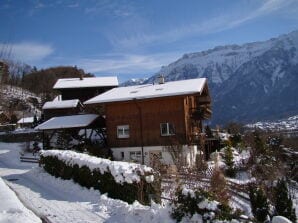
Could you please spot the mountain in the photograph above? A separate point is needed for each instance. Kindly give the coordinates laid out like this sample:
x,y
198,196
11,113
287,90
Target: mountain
x,y
249,82
17,102
134,81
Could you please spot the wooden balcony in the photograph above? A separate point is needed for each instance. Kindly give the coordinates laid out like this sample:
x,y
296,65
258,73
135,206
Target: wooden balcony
x,y
201,113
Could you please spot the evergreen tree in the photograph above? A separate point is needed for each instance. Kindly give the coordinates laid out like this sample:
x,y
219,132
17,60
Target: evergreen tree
x,y
259,203
229,161
235,139
283,202
259,144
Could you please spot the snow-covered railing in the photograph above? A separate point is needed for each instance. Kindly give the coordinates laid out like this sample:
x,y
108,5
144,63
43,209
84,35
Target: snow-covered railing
x,y
122,180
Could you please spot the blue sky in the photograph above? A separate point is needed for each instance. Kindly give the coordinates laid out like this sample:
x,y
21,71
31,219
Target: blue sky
x,y
134,38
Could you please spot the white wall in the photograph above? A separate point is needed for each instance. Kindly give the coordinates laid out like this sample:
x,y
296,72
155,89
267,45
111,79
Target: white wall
x,y
189,154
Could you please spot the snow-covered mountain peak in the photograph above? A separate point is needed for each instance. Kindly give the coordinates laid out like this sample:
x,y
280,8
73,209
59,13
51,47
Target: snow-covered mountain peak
x,y
259,75
219,63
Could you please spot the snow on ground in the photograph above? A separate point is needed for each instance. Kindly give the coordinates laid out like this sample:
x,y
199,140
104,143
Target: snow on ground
x,y
64,201
58,200
11,209
290,123
13,92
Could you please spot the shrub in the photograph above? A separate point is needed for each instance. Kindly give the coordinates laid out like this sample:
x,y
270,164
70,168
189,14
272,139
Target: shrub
x,y
218,186
124,181
283,201
229,161
236,139
259,203
189,203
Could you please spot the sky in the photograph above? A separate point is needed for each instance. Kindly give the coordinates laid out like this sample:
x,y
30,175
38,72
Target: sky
x,y
133,38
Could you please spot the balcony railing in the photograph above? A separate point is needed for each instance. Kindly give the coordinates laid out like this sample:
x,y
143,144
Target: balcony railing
x,y
200,113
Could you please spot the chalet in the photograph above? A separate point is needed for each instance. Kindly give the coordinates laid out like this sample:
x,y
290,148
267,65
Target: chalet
x,y
148,121
58,108
26,122
84,88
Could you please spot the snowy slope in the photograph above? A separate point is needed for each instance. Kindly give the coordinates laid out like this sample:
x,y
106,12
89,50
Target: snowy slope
x,y
249,82
60,201
219,63
134,81
23,102
11,209
288,124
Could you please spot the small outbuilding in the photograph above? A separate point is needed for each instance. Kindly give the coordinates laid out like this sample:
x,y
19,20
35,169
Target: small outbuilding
x,y
26,122
84,88
58,108
71,130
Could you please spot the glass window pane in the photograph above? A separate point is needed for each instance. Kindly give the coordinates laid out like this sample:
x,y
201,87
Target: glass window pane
x,y
123,131
171,129
163,128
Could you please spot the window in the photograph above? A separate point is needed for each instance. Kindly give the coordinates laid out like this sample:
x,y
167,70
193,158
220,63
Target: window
x,y
123,131
167,129
135,155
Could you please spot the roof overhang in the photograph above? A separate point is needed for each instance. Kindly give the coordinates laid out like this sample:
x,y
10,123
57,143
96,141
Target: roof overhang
x,y
68,122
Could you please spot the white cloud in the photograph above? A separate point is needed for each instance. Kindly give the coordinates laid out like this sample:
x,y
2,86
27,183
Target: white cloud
x,y
122,8
127,64
74,5
28,52
214,24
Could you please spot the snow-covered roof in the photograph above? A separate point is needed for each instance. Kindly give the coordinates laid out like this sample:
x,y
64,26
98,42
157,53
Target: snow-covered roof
x,y
61,104
26,120
64,122
173,88
86,82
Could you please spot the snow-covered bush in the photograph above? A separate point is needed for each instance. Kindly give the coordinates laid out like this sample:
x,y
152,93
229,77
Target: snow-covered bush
x,y
200,203
121,180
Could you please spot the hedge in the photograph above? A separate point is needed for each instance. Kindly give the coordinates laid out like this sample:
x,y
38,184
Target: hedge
x,y
120,180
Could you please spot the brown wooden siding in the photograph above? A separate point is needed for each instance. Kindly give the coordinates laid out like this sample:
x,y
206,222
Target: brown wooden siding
x,y
192,126
50,113
153,112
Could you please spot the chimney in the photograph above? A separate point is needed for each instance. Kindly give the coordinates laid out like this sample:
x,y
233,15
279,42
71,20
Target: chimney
x,y
161,79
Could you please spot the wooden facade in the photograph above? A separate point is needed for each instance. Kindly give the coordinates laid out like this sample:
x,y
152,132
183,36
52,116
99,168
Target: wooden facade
x,y
145,116
50,113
